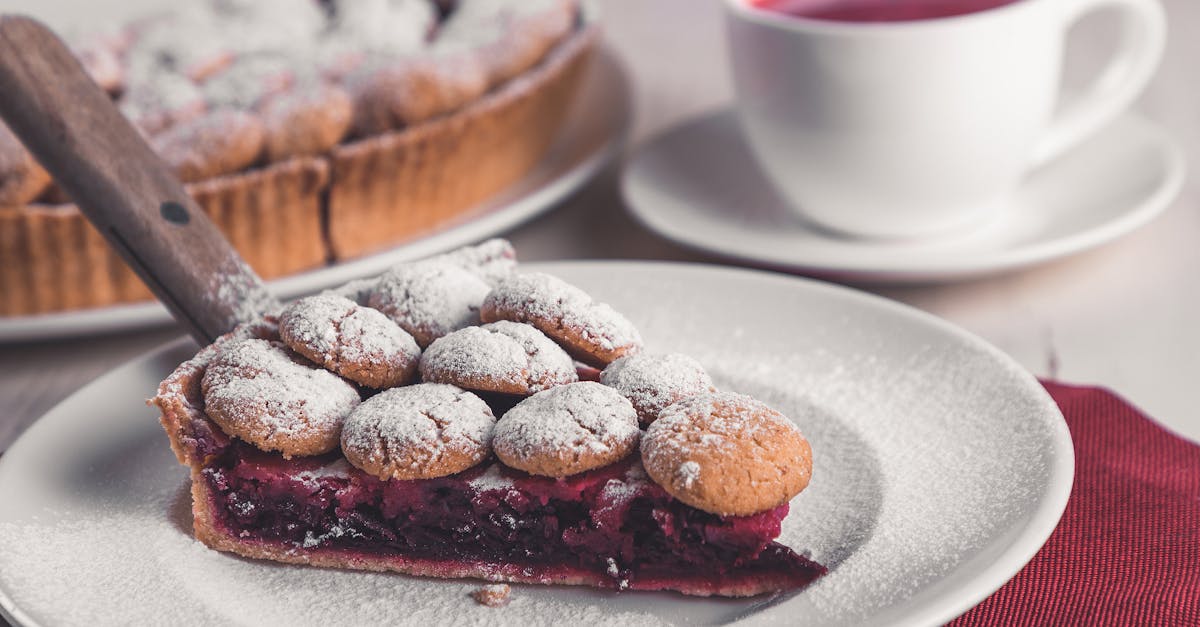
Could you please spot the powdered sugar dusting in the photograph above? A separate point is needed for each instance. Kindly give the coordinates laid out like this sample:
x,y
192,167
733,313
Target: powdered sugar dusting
x,y
414,431
358,290
474,353
159,98
313,320
237,287
548,364
509,352
540,296
491,479
493,595
619,491
493,260
654,381
259,386
731,421
338,469
882,511
370,337
383,27
256,26
187,41
484,20
567,424
689,473
352,340
430,299
249,80
237,52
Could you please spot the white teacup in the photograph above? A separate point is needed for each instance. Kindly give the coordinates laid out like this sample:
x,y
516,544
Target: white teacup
x,y
911,128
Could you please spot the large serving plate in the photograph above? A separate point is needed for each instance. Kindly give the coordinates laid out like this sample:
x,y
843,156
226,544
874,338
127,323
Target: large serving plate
x,y
940,468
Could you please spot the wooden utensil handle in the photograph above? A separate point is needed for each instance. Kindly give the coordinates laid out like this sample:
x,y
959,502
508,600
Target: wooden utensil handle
x,y
129,194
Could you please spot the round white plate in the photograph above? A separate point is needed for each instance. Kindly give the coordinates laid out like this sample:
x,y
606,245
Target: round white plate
x,y
594,133
698,185
940,469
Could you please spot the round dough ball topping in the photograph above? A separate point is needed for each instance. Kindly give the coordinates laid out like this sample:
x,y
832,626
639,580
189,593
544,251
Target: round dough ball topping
x,y
654,381
356,342
429,298
418,432
727,454
567,430
506,357
257,391
591,332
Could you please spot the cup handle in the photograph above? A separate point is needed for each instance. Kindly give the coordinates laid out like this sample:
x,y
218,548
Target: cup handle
x,y
1142,39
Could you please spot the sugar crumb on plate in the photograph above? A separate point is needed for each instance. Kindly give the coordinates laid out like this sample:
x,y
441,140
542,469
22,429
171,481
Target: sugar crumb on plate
x,y
493,595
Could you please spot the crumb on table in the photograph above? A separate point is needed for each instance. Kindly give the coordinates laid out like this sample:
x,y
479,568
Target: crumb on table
x,y
493,595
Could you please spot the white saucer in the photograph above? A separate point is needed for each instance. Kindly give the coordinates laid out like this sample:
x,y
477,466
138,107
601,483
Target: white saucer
x,y
698,185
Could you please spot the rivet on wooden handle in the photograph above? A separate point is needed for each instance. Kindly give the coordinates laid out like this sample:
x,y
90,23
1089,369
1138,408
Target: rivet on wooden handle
x,y
129,194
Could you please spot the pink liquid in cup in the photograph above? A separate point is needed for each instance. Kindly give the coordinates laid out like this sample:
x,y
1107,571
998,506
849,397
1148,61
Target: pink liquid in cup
x,y
878,10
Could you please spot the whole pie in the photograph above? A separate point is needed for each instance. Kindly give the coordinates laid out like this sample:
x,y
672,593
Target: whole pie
x,y
311,439
310,131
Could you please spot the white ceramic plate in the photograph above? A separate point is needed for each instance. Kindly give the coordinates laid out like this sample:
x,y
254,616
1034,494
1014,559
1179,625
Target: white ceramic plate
x,y
940,468
595,132
698,185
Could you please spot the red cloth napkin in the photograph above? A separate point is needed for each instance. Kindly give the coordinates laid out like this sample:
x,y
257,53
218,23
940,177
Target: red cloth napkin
x,y
1127,550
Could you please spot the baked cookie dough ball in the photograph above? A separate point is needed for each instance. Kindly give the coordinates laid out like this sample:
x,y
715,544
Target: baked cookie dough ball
x,y
161,100
249,81
418,432
186,41
505,357
255,390
219,142
493,260
391,93
654,381
594,333
356,342
383,28
567,430
429,299
511,36
307,119
727,454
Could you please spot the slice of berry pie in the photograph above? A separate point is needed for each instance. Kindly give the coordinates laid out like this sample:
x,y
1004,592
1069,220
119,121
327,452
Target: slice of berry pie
x,y
324,436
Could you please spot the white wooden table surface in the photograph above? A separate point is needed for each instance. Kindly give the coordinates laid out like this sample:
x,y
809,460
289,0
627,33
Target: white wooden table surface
x,y
1123,316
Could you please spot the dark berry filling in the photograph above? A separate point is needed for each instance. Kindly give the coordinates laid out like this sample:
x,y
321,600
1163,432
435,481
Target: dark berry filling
x,y
611,524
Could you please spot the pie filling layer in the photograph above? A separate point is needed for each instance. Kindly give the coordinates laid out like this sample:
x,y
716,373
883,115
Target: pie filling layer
x,y
611,526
